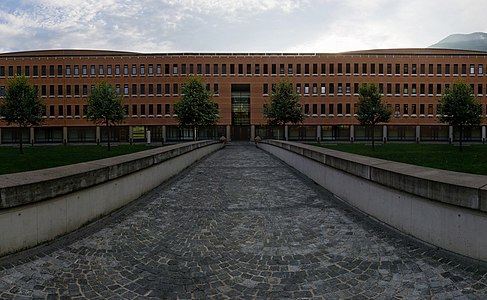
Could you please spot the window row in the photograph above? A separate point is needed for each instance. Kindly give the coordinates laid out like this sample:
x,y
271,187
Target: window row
x,y
125,89
399,110
134,111
282,69
388,89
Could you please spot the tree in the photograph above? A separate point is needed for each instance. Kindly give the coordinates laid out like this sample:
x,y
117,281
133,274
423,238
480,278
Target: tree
x,y
370,109
22,105
459,108
284,107
196,107
105,107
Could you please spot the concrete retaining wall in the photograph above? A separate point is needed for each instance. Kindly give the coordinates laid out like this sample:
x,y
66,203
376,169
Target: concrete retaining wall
x,y
39,206
443,208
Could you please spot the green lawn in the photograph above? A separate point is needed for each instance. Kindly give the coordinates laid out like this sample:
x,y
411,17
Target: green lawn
x,y
40,157
473,159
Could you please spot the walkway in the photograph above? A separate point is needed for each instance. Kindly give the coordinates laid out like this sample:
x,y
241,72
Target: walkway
x,y
239,224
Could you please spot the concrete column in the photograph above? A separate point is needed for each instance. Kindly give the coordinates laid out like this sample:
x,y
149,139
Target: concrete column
x,y
352,133
418,134
163,134
98,135
131,135
32,136
483,134
252,133
318,133
0,136
229,133
65,135
384,133
286,132
450,134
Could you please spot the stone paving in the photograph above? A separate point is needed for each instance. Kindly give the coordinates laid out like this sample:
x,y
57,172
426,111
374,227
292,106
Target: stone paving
x,y
239,225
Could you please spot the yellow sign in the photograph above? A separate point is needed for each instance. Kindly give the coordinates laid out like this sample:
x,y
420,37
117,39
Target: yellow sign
x,y
138,132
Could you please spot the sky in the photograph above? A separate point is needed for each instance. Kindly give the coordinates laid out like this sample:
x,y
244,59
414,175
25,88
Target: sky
x,y
305,26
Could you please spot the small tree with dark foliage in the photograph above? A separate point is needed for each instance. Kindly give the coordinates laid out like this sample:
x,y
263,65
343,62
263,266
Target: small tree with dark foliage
x,y
284,107
196,107
105,107
459,108
21,105
370,109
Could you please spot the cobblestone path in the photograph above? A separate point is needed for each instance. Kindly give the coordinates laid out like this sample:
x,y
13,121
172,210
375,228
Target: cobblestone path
x,y
239,225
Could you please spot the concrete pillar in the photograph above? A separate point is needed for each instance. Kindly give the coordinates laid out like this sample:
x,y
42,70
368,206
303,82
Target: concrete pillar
x,y
483,134
318,133
163,134
98,135
252,133
352,133
65,135
32,136
384,133
0,136
131,135
450,134
418,134
286,132
229,133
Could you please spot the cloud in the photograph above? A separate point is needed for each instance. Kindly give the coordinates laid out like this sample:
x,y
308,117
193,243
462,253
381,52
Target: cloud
x,y
229,25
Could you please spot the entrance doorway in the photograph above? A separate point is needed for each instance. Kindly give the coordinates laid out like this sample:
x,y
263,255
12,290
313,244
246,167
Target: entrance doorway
x,y
240,112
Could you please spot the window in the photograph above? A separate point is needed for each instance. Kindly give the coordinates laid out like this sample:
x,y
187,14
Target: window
x,y
159,89
43,71
315,109
266,69
101,70
364,69
398,69
142,109
481,69
340,88
76,90
265,89
207,69
167,109
413,89
455,69
464,69
126,89
347,88
340,109
438,89
355,68
421,109
134,110
68,111
413,109
199,69
51,90
134,70
249,69
2,71
405,109
372,69
175,69
422,69
340,71
167,89
430,69
430,89
323,69
479,89
347,110
298,69
315,89
92,70
142,70
447,69
150,69
405,89
59,90
306,69
472,69
159,109
51,70
191,69
257,69
315,69
397,89
175,88
281,69
422,89
306,109
240,69
215,69
389,89
347,68
323,109
60,111
117,70
323,88
331,89
183,69
438,69
381,69
159,69
68,90
109,70
330,109
306,88
331,69
125,70
35,71
151,89
142,89
151,109
414,71
76,110
134,89
215,89
273,68
298,88
224,69
166,69
117,89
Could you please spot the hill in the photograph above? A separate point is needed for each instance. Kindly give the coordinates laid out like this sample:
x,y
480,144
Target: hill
x,y
474,41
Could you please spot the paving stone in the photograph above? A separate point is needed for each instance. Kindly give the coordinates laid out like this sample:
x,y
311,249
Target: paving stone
x,y
239,224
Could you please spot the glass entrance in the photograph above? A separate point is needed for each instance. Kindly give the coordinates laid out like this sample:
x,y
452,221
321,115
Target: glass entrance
x,y
240,104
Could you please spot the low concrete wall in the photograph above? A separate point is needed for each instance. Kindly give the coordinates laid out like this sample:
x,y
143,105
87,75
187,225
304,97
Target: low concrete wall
x,y
443,208
39,206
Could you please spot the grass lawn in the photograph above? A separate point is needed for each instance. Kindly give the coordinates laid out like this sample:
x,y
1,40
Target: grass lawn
x,y
473,159
41,157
